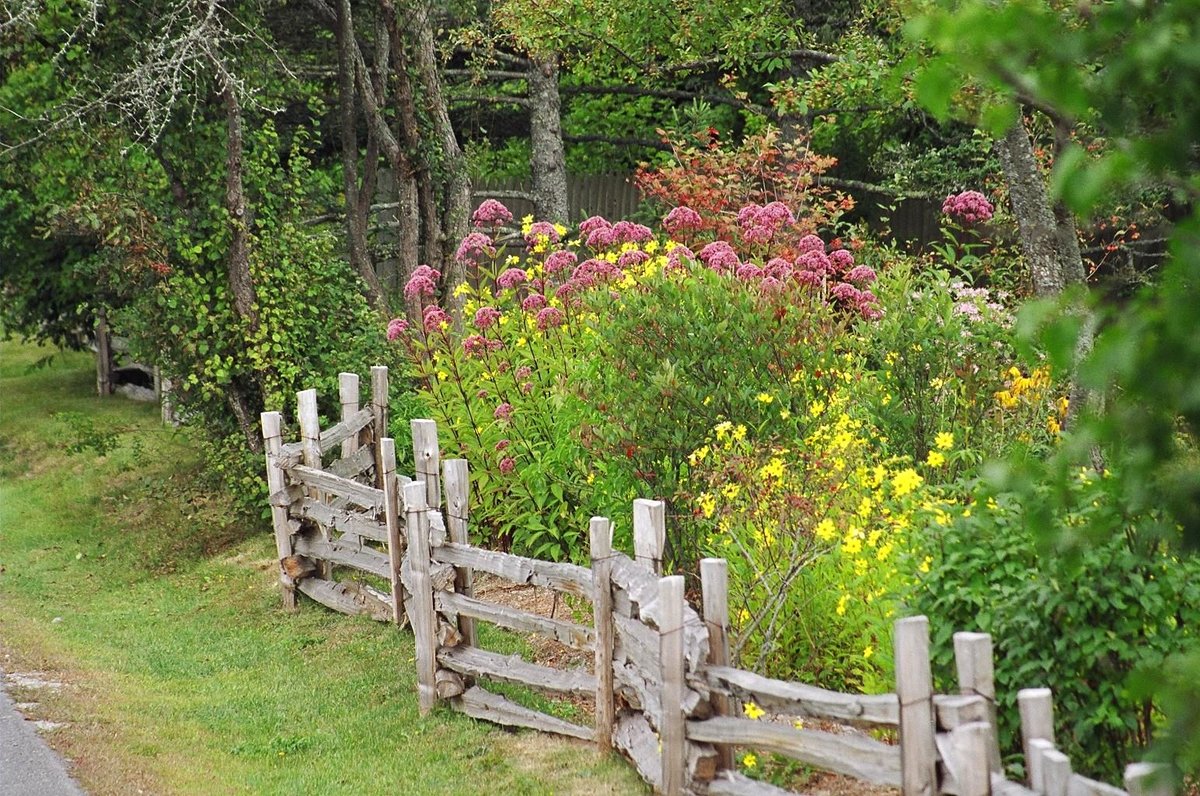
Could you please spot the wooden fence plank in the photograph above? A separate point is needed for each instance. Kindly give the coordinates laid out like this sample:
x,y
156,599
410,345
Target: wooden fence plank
x,y
970,763
636,739
347,597
670,641
1036,707
806,700
293,453
310,441
353,465
649,533
481,704
1056,773
852,753
457,481
339,519
379,417
568,633
1083,786
1035,763
421,612
567,578
731,783
513,669
714,588
914,687
396,544
600,535
272,440
973,659
427,460
344,554
348,396
367,497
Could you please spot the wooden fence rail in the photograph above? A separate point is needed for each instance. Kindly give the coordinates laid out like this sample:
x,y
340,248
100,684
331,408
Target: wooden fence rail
x,y
659,677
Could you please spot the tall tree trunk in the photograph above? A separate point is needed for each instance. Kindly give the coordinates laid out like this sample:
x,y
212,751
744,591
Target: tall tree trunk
x,y
548,161
1049,243
356,210
456,194
241,281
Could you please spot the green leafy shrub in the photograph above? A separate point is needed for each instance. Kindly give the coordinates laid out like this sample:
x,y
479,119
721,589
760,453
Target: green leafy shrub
x,y
1080,625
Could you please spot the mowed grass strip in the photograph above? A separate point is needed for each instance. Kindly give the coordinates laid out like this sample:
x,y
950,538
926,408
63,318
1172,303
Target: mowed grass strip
x,y
125,578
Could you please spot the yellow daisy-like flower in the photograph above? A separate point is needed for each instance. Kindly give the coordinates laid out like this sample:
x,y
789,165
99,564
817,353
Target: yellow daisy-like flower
x,y
935,459
753,711
749,760
944,441
784,414
841,604
798,724
906,481
764,398
825,530
868,652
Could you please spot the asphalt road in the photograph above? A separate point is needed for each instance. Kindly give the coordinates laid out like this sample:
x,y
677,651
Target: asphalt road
x,y
28,767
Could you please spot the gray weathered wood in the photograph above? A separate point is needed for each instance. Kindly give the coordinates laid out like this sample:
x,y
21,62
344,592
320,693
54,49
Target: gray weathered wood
x,y
481,704
379,417
637,584
285,497
1035,763
420,606
670,635
354,465
448,684
805,700
339,520
310,442
649,533
1056,773
513,669
1036,707
914,688
347,597
600,535
636,739
396,544
567,578
970,762
731,783
343,554
349,397
427,460
954,711
852,753
1083,786
367,497
330,438
1148,779
1006,787
575,636
272,440
973,660
714,587
457,485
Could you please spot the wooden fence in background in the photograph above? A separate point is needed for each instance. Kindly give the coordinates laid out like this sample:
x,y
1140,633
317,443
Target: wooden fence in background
x,y
660,683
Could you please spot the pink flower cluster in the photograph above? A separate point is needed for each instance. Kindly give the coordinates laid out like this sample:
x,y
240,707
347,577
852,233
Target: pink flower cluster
x,y
491,214
602,234
423,282
433,318
559,261
395,328
760,224
486,317
541,232
511,278
474,248
682,219
970,207
719,256
476,345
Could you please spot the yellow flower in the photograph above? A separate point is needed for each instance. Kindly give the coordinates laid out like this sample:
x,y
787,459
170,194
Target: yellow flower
x,y
825,530
1052,425
944,440
864,507
731,491
851,545
923,567
935,459
722,428
753,711
442,375
841,605
463,289
868,652
906,481
707,400
707,503
739,433
784,414
1005,399
798,724
764,398
772,469
749,760
816,408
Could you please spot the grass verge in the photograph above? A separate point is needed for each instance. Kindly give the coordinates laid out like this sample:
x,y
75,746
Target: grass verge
x,y
125,578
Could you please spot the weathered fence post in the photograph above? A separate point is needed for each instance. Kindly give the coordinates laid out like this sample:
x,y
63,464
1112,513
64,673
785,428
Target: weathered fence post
x,y
1036,706
427,460
1035,763
649,532
1148,779
310,441
422,617
714,586
391,512
104,385
600,530
379,423
972,768
348,395
1056,773
914,687
670,644
276,482
458,493
976,677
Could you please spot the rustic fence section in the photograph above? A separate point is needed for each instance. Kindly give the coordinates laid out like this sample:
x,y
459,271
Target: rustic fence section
x,y
663,692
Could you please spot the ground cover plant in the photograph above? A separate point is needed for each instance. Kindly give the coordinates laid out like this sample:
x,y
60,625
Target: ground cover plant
x,y
127,578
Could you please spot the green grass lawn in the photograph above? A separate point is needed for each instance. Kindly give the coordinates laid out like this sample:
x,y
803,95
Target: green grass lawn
x,y
124,577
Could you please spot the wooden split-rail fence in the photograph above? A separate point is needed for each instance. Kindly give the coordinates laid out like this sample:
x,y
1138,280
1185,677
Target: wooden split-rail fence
x,y
661,685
